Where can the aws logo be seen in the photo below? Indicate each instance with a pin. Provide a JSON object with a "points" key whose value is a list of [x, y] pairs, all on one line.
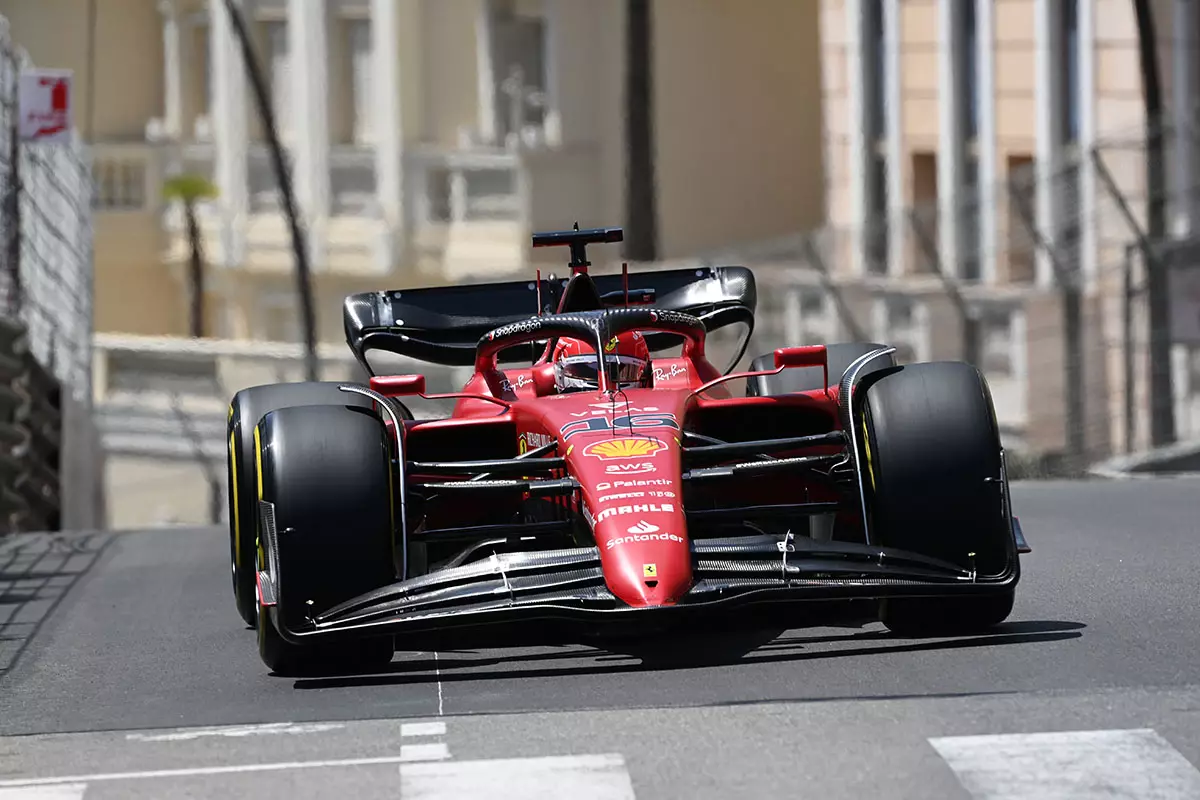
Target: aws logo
{"points": [[610, 449], [629, 469]]}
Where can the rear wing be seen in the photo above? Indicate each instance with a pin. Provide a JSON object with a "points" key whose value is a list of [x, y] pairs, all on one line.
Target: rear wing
{"points": [[443, 324]]}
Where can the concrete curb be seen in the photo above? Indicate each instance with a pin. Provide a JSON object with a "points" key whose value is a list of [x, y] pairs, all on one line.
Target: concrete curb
{"points": [[1181, 459]]}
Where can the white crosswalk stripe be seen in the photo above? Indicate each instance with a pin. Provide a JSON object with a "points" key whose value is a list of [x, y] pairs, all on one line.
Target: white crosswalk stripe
{"points": [[587, 777], [70, 791], [1114, 764]]}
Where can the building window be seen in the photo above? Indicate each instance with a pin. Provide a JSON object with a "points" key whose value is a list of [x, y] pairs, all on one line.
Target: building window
{"points": [[874, 69], [967, 56], [966, 50], [873, 50], [1069, 69], [359, 33], [119, 184], [519, 67]]}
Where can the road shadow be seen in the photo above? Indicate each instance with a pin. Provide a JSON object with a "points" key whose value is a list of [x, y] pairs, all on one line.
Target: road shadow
{"points": [[685, 651], [37, 570]]}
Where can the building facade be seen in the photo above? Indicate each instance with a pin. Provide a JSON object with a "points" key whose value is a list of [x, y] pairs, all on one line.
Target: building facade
{"points": [[428, 138], [996, 150]]}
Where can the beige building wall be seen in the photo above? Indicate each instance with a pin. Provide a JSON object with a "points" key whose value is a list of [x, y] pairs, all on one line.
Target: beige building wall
{"points": [[738, 124], [738, 119]]}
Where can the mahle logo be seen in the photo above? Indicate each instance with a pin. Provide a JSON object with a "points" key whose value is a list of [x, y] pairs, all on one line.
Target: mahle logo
{"points": [[623, 448]]}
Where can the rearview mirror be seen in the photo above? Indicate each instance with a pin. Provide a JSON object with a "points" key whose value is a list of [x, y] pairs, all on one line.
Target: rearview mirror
{"points": [[399, 385], [813, 355]]}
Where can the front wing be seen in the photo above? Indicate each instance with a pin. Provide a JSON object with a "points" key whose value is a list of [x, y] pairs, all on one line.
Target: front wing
{"points": [[567, 585]]}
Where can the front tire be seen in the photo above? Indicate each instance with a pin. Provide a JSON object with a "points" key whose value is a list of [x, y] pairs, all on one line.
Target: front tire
{"points": [[932, 457], [327, 472], [247, 408]]}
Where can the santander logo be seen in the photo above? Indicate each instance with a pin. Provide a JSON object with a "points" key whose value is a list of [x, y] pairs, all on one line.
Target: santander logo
{"points": [[642, 527]]}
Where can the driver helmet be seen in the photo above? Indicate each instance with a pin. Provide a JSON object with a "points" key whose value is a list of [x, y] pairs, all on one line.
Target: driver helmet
{"points": [[626, 356]]}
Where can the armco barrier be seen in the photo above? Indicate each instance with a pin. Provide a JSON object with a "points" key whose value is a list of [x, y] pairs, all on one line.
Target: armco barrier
{"points": [[30, 437]]}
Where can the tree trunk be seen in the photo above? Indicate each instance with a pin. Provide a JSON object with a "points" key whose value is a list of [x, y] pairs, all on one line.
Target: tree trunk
{"points": [[195, 270], [283, 178], [641, 223], [1162, 412]]}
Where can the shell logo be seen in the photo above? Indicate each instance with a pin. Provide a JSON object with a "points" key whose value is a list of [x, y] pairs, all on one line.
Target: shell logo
{"points": [[624, 448]]}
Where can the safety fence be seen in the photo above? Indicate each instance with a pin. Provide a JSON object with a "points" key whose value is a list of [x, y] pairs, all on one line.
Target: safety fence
{"points": [[49, 458], [30, 437]]}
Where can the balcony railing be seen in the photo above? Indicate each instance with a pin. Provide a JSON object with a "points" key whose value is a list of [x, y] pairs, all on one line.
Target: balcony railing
{"points": [[470, 211]]}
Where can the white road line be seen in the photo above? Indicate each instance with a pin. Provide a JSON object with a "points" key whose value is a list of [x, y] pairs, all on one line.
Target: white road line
{"points": [[187, 734], [423, 729], [195, 771], [589, 777], [1112, 764], [67, 791], [437, 670], [436, 751]]}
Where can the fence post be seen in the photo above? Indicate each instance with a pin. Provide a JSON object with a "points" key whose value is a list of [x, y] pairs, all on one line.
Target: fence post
{"points": [[968, 313], [12, 200], [1072, 316], [1162, 403]]}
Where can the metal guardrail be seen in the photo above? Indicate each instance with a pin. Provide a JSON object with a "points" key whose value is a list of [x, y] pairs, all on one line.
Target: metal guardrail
{"points": [[30, 437]]}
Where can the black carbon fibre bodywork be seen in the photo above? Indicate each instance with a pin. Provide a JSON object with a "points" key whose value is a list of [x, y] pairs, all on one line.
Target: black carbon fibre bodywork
{"points": [[442, 325]]}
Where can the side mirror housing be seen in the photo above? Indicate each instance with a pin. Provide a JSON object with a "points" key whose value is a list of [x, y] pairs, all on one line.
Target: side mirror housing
{"points": [[399, 385], [813, 355]]}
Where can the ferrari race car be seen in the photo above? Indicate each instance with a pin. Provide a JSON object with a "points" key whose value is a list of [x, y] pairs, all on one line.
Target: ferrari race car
{"points": [[589, 475]]}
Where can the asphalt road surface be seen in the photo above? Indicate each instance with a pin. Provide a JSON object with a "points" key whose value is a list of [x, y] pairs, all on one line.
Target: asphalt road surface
{"points": [[125, 672]]}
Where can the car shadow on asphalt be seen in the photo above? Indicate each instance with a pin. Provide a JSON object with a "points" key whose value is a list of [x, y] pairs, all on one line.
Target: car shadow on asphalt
{"points": [[687, 651]]}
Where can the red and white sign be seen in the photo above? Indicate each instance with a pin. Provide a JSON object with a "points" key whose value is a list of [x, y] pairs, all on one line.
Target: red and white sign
{"points": [[47, 106]]}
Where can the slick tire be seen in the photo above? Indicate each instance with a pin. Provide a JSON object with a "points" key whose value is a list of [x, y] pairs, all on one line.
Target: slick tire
{"points": [[932, 460], [807, 379], [247, 408], [327, 471]]}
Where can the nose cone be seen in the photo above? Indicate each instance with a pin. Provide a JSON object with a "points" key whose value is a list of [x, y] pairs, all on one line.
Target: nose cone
{"points": [[650, 568], [644, 550]]}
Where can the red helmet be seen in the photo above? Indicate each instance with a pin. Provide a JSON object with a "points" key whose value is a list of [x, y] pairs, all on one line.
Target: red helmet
{"points": [[626, 356]]}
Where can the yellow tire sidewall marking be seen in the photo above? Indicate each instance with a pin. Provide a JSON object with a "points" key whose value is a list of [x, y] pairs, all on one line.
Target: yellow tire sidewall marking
{"points": [[233, 489]]}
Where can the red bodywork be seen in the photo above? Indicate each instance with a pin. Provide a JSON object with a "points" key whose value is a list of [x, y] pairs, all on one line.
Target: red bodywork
{"points": [[624, 450]]}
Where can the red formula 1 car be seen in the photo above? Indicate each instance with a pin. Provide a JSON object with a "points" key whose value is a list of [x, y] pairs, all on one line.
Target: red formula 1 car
{"points": [[605, 484]]}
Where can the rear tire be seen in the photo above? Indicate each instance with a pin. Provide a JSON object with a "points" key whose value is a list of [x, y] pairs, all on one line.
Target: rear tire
{"points": [[247, 408], [808, 379], [327, 470], [932, 457]]}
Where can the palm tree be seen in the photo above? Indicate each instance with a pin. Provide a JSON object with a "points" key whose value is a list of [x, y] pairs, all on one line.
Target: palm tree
{"points": [[283, 179], [189, 190]]}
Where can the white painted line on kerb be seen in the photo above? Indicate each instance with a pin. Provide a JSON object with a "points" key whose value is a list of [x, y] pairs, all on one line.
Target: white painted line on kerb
{"points": [[266, 729], [1114, 764], [589, 777], [195, 771], [423, 729], [67, 791]]}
